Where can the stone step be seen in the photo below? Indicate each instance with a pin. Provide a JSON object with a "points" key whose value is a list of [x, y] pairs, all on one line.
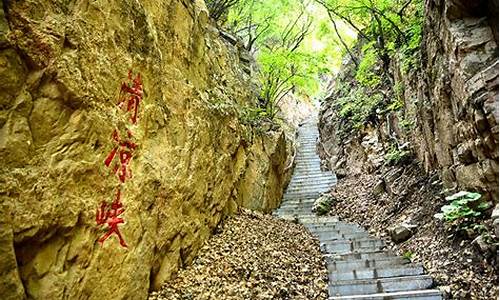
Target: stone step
{"points": [[374, 255], [307, 173], [311, 183], [306, 189], [306, 158], [307, 162], [312, 196], [308, 150], [361, 241], [299, 187], [373, 286], [309, 136], [305, 185], [343, 230], [308, 142], [286, 205], [301, 168], [339, 235], [302, 150], [406, 295], [307, 169], [288, 216], [284, 212], [298, 202], [295, 210], [312, 221], [291, 207], [317, 179], [321, 226], [374, 273], [321, 220], [312, 179], [291, 204], [300, 161], [318, 174], [307, 166], [352, 264], [301, 195], [347, 246], [296, 196], [307, 153]]}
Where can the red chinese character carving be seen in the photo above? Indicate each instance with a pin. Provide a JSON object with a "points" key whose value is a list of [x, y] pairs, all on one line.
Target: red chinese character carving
{"points": [[125, 149], [110, 217], [130, 96], [134, 93]]}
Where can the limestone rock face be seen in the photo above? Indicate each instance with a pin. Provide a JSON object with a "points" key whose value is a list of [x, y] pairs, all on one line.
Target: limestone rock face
{"points": [[449, 119], [61, 67]]}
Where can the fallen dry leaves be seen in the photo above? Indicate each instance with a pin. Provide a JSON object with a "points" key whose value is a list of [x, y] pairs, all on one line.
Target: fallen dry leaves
{"points": [[253, 256]]}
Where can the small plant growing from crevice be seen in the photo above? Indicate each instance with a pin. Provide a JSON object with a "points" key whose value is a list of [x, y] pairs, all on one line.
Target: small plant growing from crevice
{"points": [[396, 156], [408, 254], [407, 125]]}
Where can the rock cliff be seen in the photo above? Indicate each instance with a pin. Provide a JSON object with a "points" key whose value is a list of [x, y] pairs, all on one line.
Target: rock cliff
{"points": [[61, 67], [448, 117]]}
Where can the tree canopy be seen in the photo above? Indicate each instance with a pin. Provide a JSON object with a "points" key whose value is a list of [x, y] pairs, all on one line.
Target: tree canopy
{"points": [[299, 44]]}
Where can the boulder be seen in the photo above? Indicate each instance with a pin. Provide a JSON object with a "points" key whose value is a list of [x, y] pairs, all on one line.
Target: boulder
{"points": [[322, 205], [482, 245], [400, 233], [379, 188]]}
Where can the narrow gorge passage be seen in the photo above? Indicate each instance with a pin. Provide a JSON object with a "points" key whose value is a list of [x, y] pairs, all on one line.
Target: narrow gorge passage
{"points": [[148, 149], [358, 265]]}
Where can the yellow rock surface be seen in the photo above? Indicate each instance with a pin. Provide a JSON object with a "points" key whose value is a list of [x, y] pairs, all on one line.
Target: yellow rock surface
{"points": [[61, 66]]}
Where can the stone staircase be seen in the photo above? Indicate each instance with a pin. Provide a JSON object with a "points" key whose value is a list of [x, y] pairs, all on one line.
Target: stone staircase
{"points": [[358, 265]]}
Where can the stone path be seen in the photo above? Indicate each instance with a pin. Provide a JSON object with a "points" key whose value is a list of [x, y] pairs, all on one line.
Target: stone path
{"points": [[358, 265]]}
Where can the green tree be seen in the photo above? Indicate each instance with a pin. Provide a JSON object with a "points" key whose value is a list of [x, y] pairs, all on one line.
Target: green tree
{"points": [[275, 31]]}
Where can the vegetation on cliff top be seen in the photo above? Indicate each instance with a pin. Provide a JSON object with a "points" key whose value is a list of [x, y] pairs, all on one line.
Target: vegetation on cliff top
{"points": [[389, 35], [299, 45], [287, 37]]}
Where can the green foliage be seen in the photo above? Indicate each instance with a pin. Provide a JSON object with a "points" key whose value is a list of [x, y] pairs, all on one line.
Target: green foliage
{"points": [[408, 254], [396, 156], [407, 125], [396, 104], [323, 205], [253, 116], [281, 34], [366, 74], [386, 30], [464, 205], [409, 54], [357, 107]]}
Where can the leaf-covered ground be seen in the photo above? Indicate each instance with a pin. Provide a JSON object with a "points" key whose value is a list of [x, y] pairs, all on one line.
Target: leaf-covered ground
{"points": [[459, 268], [253, 256]]}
